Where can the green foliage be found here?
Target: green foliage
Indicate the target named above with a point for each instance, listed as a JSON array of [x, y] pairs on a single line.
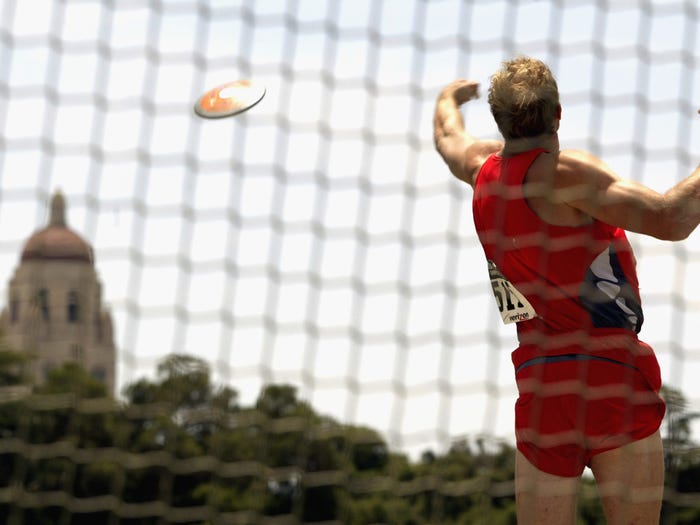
[[590, 509], [381, 509], [71, 378], [682, 459], [180, 442], [10, 418], [12, 366], [233, 494], [97, 478]]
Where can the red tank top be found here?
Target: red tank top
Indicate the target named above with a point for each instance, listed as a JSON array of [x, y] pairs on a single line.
[[578, 283]]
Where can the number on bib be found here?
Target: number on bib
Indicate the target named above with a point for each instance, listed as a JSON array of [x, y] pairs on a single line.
[[512, 304]]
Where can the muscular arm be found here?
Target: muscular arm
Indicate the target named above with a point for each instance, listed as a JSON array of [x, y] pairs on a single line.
[[586, 183], [462, 152]]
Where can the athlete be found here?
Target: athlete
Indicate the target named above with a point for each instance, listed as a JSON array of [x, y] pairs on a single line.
[[552, 224]]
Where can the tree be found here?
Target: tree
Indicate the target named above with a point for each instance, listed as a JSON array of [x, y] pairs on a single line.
[[13, 364], [189, 444], [276, 401], [682, 459], [677, 436], [71, 378]]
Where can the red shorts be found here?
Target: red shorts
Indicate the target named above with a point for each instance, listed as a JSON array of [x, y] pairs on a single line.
[[571, 409]]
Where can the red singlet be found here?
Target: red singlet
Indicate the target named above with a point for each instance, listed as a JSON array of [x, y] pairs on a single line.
[[587, 383]]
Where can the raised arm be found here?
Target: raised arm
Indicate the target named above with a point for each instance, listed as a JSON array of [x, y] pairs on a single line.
[[586, 183], [463, 153]]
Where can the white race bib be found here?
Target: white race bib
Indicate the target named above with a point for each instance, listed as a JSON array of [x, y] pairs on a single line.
[[512, 304]]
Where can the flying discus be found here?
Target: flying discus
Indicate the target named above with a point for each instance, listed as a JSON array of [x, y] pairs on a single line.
[[229, 99]]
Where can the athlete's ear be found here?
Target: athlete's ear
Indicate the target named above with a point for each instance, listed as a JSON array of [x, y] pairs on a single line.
[[559, 111]]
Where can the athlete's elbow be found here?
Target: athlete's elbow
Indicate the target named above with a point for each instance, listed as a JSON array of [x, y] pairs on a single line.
[[674, 225], [681, 232], [675, 235]]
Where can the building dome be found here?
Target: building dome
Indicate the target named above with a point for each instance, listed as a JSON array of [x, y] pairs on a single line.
[[57, 241]]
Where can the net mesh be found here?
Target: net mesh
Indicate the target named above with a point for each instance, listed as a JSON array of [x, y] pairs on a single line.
[[317, 240]]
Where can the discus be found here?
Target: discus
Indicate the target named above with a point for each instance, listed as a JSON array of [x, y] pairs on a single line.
[[229, 99]]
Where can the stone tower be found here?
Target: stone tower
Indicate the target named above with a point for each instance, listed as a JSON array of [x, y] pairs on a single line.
[[54, 306]]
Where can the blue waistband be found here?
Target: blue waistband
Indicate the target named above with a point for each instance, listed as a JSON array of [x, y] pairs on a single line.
[[546, 359]]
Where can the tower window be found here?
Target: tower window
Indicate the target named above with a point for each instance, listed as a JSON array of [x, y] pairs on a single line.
[[14, 309], [73, 308], [77, 353], [43, 303], [47, 368], [98, 327], [99, 373]]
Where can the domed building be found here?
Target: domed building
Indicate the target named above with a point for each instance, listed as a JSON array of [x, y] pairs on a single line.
[[54, 308]]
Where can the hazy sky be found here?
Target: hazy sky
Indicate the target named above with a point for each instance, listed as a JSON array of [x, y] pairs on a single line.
[[318, 239]]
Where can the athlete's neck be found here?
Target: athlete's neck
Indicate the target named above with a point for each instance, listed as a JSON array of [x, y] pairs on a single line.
[[548, 141]]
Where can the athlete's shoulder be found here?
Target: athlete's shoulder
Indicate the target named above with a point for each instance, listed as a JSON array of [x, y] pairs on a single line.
[[579, 159], [476, 154]]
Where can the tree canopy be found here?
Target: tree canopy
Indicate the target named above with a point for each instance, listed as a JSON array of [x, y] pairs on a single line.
[[179, 449]]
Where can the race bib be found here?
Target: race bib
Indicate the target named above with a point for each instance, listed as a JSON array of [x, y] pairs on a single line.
[[512, 304]]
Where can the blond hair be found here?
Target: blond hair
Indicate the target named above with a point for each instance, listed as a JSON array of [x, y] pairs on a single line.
[[524, 98]]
